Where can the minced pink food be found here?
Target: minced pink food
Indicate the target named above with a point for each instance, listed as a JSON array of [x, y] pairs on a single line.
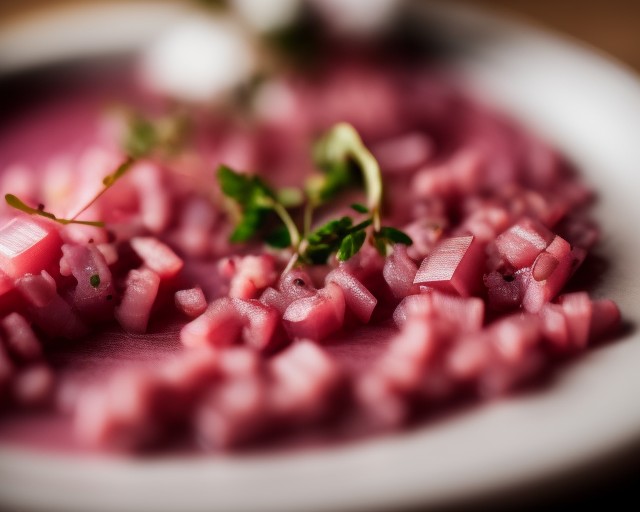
[[157, 330]]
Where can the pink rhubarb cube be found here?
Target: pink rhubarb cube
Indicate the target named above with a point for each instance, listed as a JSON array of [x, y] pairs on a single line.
[[520, 244], [455, 266], [27, 246]]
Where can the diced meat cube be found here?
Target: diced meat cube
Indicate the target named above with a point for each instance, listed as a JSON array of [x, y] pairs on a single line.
[[186, 375], [48, 310], [226, 320], [403, 154], [555, 327], [33, 386], [505, 292], [20, 338], [275, 299], [435, 305], [605, 319], [6, 283], [220, 325], [357, 298], [7, 369], [469, 358], [399, 272], [139, 295], [520, 244], [538, 293], [405, 362], [191, 302], [384, 408], [513, 336], [94, 281], [157, 256], [121, 416], [296, 284], [39, 290], [153, 195], [261, 323], [455, 266], [304, 378], [248, 274], [239, 362], [577, 310], [318, 316], [28, 246], [109, 252], [232, 413]]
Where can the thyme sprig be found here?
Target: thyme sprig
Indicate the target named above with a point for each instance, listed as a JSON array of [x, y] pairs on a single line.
[[341, 156]]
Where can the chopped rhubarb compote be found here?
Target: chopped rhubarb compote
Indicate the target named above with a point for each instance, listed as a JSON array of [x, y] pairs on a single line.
[[375, 247]]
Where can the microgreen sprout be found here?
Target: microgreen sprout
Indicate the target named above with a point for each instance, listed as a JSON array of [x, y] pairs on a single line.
[[341, 156], [107, 183]]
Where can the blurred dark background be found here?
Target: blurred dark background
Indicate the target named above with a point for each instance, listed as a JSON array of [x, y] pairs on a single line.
[[610, 25]]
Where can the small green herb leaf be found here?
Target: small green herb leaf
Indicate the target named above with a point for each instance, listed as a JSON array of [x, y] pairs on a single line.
[[332, 230], [255, 199], [250, 223], [395, 235], [290, 197], [351, 244], [94, 280], [360, 208], [141, 137], [279, 238], [248, 190]]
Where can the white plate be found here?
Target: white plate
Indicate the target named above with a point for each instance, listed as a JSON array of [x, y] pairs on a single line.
[[583, 102]]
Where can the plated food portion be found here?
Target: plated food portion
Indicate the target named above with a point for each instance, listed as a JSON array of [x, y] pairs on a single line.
[[332, 252]]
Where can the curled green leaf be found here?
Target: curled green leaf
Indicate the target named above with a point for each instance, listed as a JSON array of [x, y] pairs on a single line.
[[351, 244], [360, 208], [395, 235], [342, 145]]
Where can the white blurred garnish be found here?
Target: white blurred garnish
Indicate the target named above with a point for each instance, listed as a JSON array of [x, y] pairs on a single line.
[[267, 15], [357, 17], [200, 59]]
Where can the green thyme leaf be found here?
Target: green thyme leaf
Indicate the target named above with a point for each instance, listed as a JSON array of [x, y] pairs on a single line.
[[360, 208], [255, 200], [339, 235], [351, 244], [94, 280], [331, 231], [251, 222], [248, 190], [395, 235], [290, 197], [141, 137], [279, 238]]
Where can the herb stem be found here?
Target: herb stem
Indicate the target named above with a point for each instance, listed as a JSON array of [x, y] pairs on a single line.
[[292, 261], [294, 234], [308, 218], [108, 181]]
